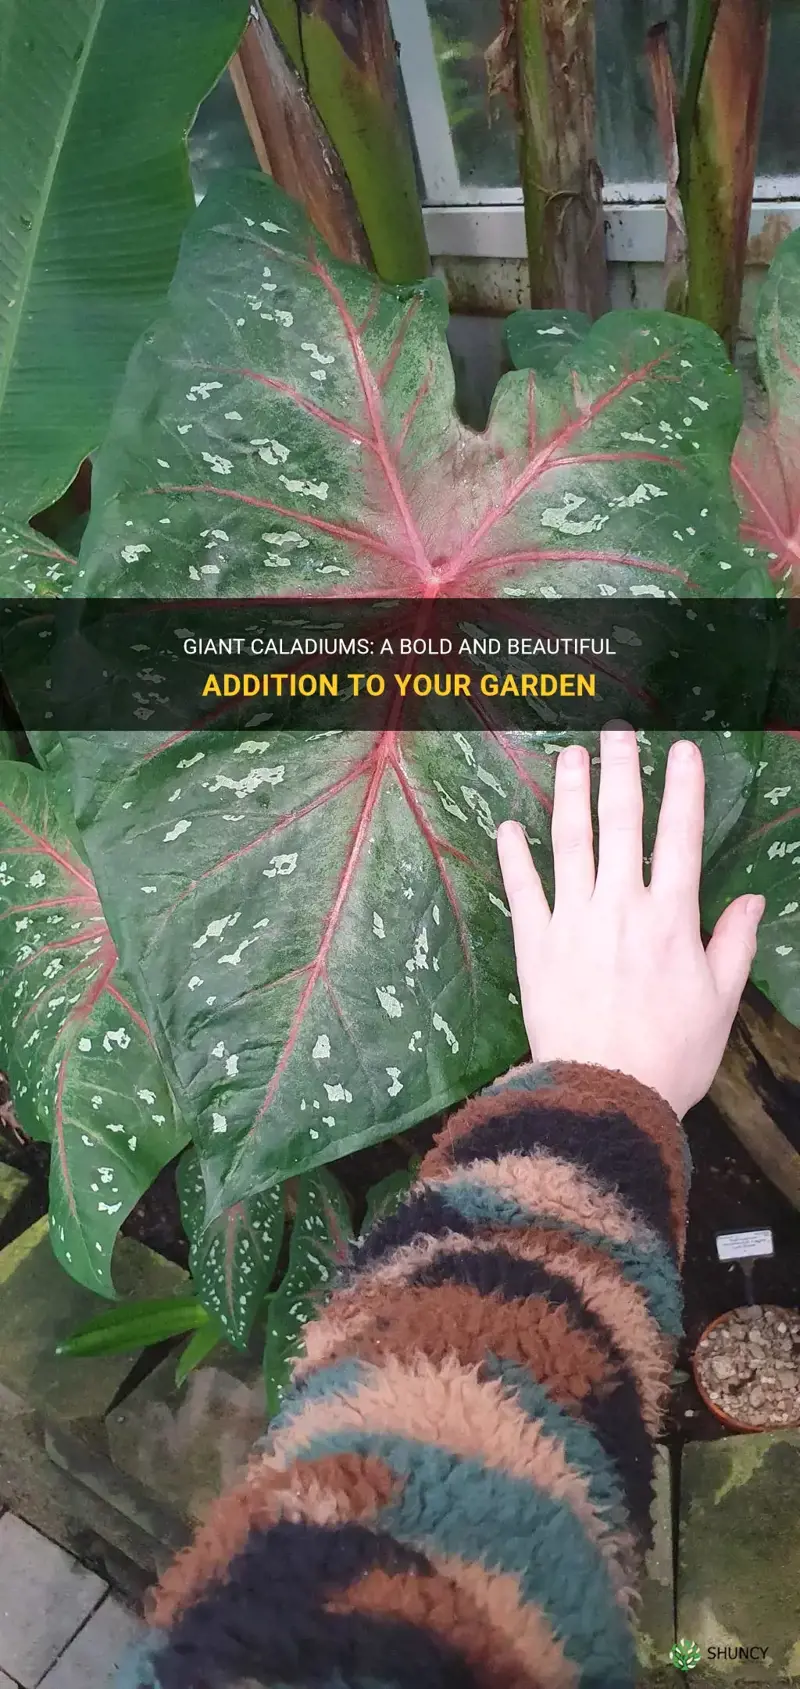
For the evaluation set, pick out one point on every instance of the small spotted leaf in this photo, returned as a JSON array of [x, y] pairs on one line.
[[317, 923], [232, 1260], [82, 1068], [321, 1235], [384, 1197]]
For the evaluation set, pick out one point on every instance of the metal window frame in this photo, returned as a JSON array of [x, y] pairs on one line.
[[464, 221]]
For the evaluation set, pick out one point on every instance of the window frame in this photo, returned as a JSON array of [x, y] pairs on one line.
[[464, 221]]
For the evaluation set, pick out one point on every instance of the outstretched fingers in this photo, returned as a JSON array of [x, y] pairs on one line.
[[530, 910]]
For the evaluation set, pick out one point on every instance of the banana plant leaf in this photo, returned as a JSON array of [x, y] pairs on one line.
[[96, 98]]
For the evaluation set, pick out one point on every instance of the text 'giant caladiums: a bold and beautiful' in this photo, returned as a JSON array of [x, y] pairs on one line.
[[316, 923]]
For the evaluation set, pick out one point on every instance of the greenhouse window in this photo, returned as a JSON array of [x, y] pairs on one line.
[[466, 143]]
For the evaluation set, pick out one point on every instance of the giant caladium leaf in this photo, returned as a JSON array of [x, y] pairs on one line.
[[232, 1260], [329, 907], [96, 97], [766, 462], [763, 853], [82, 1068]]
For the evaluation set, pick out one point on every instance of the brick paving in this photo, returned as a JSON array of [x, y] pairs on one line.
[[60, 1628]]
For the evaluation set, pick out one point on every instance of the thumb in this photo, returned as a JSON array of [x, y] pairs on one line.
[[732, 946]]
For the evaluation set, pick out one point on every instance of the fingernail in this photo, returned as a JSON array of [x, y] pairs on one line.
[[684, 751], [571, 757], [756, 907]]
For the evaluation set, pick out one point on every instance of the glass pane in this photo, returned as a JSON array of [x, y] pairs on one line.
[[219, 138], [628, 149], [779, 153], [483, 132]]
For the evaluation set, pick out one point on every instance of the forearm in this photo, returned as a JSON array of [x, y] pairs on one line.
[[460, 1475]]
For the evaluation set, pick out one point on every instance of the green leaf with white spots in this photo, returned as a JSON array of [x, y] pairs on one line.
[[232, 1260], [82, 1068], [321, 1235], [762, 855], [96, 99], [538, 340], [328, 908]]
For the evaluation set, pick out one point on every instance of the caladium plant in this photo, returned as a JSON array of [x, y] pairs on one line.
[[315, 928], [339, 966], [81, 1063]]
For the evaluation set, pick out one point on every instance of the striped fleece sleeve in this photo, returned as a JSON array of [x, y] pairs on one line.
[[456, 1492]]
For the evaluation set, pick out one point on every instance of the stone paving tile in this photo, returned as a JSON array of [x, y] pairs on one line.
[[740, 1556], [45, 1598], [92, 1658], [6, 1682]]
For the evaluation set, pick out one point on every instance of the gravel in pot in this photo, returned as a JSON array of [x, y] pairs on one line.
[[747, 1368]]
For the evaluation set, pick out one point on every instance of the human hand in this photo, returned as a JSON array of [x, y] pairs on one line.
[[617, 974]]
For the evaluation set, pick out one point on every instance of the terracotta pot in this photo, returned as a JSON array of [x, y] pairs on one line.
[[718, 1412]]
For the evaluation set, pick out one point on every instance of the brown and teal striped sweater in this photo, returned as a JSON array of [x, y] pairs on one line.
[[456, 1493]]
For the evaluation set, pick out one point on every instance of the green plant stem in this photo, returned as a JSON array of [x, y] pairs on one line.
[[718, 134], [288, 135], [561, 180], [349, 64]]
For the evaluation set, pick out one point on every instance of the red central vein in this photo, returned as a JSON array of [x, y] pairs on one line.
[[59, 944], [43, 845], [776, 821], [276, 828], [317, 411], [788, 543], [534, 468], [514, 757], [338, 530], [317, 966], [436, 847], [397, 343], [60, 979], [72, 902], [233, 1219], [555, 555], [372, 400], [79, 1013]]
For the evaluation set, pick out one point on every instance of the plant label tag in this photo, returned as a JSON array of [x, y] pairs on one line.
[[744, 1246]]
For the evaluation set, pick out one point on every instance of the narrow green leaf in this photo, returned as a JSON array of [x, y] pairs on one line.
[[321, 1234], [83, 1071], [136, 1326], [205, 1340], [96, 99], [233, 1258]]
